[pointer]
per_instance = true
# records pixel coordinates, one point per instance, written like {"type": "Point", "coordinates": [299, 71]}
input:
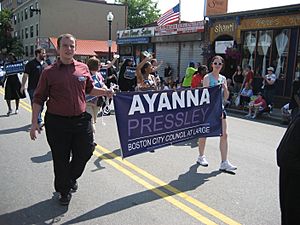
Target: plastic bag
{"type": "Point", "coordinates": [237, 100]}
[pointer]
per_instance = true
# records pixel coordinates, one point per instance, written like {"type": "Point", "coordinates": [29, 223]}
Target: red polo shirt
{"type": "Point", "coordinates": [63, 86]}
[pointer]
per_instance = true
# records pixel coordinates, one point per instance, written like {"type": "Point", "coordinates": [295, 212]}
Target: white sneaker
{"type": "Point", "coordinates": [227, 166]}
{"type": "Point", "coordinates": [248, 116]}
{"type": "Point", "coordinates": [202, 161]}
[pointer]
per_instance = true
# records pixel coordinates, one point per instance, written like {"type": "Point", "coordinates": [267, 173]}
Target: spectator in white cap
{"type": "Point", "coordinates": [269, 86]}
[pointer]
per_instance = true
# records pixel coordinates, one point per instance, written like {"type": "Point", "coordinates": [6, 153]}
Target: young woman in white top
{"type": "Point", "coordinates": [145, 80]}
{"type": "Point", "coordinates": [212, 79]}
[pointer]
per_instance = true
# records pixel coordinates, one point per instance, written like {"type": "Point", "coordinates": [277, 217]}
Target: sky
{"type": "Point", "coordinates": [192, 10]}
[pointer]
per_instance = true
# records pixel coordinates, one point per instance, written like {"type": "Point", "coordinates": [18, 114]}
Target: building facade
{"type": "Point", "coordinates": [261, 38]}
{"type": "Point", "coordinates": [35, 21]}
{"type": "Point", "coordinates": [11, 4]}
{"type": "Point", "coordinates": [175, 44]}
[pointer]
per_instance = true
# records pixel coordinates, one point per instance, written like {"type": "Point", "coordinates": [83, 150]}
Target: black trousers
{"type": "Point", "coordinates": [66, 135]}
{"type": "Point", "coordinates": [289, 193]}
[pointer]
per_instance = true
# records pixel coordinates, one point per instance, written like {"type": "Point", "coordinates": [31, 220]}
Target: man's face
{"type": "Point", "coordinates": [42, 55]}
{"type": "Point", "coordinates": [66, 49]}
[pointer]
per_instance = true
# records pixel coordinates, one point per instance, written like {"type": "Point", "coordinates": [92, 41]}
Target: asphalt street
{"type": "Point", "coordinates": [166, 187]}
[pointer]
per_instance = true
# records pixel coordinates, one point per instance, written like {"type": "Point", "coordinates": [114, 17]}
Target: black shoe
{"type": "Point", "coordinates": [41, 125]}
{"type": "Point", "coordinates": [64, 199]}
{"type": "Point", "coordinates": [74, 186]}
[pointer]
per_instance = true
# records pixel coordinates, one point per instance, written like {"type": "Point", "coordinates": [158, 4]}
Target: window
{"type": "Point", "coordinates": [26, 13]}
{"type": "Point", "coordinates": [26, 50]}
{"type": "Point", "coordinates": [36, 6]}
{"type": "Point", "coordinates": [30, 11]}
{"type": "Point", "coordinates": [37, 30]}
{"type": "Point", "coordinates": [22, 34]}
{"type": "Point", "coordinates": [22, 15]}
{"type": "Point", "coordinates": [297, 71]}
{"type": "Point", "coordinates": [250, 39]}
{"type": "Point", "coordinates": [31, 50]}
{"type": "Point", "coordinates": [31, 31]}
{"type": "Point", "coordinates": [15, 19]}
{"type": "Point", "coordinates": [280, 52]}
{"type": "Point", "coordinates": [26, 32]}
{"type": "Point", "coordinates": [18, 17]}
{"type": "Point", "coordinates": [16, 34]}
{"type": "Point", "coordinates": [264, 46]}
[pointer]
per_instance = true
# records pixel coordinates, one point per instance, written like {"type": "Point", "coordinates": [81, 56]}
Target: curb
{"type": "Point", "coordinates": [274, 117]}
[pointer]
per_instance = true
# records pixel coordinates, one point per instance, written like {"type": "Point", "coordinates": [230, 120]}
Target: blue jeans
{"type": "Point", "coordinates": [31, 93]}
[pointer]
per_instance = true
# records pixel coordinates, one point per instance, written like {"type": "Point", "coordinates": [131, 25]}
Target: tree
{"type": "Point", "coordinates": [7, 42]}
{"type": "Point", "coordinates": [141, 12]}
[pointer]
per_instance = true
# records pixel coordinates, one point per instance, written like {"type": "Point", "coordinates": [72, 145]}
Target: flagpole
{"type": "Point", "coordinates": [179, 11]}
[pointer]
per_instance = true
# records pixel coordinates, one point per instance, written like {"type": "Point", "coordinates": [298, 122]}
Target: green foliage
{"type": "Point", "coordinates": [141, 12]}
{"type": "Point", "coordinates": [8, 42]}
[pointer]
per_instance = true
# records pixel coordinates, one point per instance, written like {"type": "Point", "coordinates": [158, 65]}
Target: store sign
{"type": "Point", "coordinates": [181, 28]}
{"type": "Point", "coordinates": [214, 7]}
{"type": "Point", "coordinates": [220, 28]}
{"type": "Point", "coordinates": [141, 32]}
{"type": "Point", "coordinates": [270, 22]}
{"type": "Point", "coordinates": [141, 40]}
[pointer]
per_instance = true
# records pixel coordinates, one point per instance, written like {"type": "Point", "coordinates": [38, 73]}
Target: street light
{"type": "Point", "coordinates": [109, 18]}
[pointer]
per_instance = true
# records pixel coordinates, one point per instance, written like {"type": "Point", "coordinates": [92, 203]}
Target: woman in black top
{"type": "Point", "coordinates": [238, 79]}
{"type": "Point", "coordinates": [12, 87]}
{"type": "Point", "coordinates": [126, 84]}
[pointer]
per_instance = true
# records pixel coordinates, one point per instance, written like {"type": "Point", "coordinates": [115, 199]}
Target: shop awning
{"type": "Point", "coordinates": [89, 47]}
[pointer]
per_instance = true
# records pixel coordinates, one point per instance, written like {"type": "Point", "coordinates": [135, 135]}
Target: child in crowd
{"type": "Point", "coordinates": [258, 105]}
{"type": "Point", "coordinates": [246, 94]}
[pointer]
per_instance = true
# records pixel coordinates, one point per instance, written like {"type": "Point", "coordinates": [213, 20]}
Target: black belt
{"type": "Point", "coordinates": [67, 117]}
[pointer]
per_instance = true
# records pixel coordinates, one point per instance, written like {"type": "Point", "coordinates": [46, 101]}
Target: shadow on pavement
{"type": "Point", "coordinates": [98, 160]}
{"type": "Point", "coordinates": [42, 158]}
{"type": "Point", "coordinates": [45, 212]}
{"type": "Point", "coordinates": [192, 143]}
{"type": "Point", "coordinates": [14, 130]}
{"type": "Point", "coordinates": [185, 182]}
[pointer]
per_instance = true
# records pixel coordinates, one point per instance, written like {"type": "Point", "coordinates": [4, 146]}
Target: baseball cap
{"type": "Point", "coordinates": [270, 68]}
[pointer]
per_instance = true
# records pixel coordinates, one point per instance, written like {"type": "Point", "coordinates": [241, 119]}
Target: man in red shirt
{"type": "Point", "coordinates": [248, 73]}
{"type": "Point", "coordinates": [258, 105]}
{"type": "Point", "coordinates": [63, 87]}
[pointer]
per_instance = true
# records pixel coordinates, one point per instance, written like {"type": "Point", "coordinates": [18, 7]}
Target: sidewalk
{"type": "Point", "coordinates": [274, 116]}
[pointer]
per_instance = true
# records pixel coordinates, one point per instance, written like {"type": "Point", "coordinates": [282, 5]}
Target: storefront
{"type": "Point", "coordinates": [132, 42]}
{"type": "Point", "coordinates": [223, 35]}
{"type": "Point", "coordinates": [263, 38]}
{"type": "Point", "coordinates": [179, 44]}
{"type": "Point", "coordinates": [272, 41]}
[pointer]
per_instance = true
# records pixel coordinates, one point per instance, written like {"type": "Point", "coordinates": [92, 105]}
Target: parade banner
{"type": "Point", "coordinates": [153, 119]}
{"type": "Point", "coordinates": [14, 67]}
{"type": "Point", "coordinates": [103, 72]}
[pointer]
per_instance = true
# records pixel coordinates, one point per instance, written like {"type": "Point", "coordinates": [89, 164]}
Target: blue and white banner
{"type": "Point", "coordinates": [14, 67]}
{"type": "Point", "coordinates": [153, 119]}
{"type": "Point", "coordinates": [103, 72]}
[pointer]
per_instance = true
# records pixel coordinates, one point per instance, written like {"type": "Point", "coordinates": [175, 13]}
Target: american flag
{"type": "Point", "coordinates": [169, 17]}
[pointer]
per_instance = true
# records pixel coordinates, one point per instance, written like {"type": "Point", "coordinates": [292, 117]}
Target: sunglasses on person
{"type": "Point", "coordinates": [220, 64]}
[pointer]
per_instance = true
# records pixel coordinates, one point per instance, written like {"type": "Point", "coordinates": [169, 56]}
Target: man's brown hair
{"type": "Point", "coordinates": [64, 36]}
{"type": "Point", "coordinates": [93, 64]}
